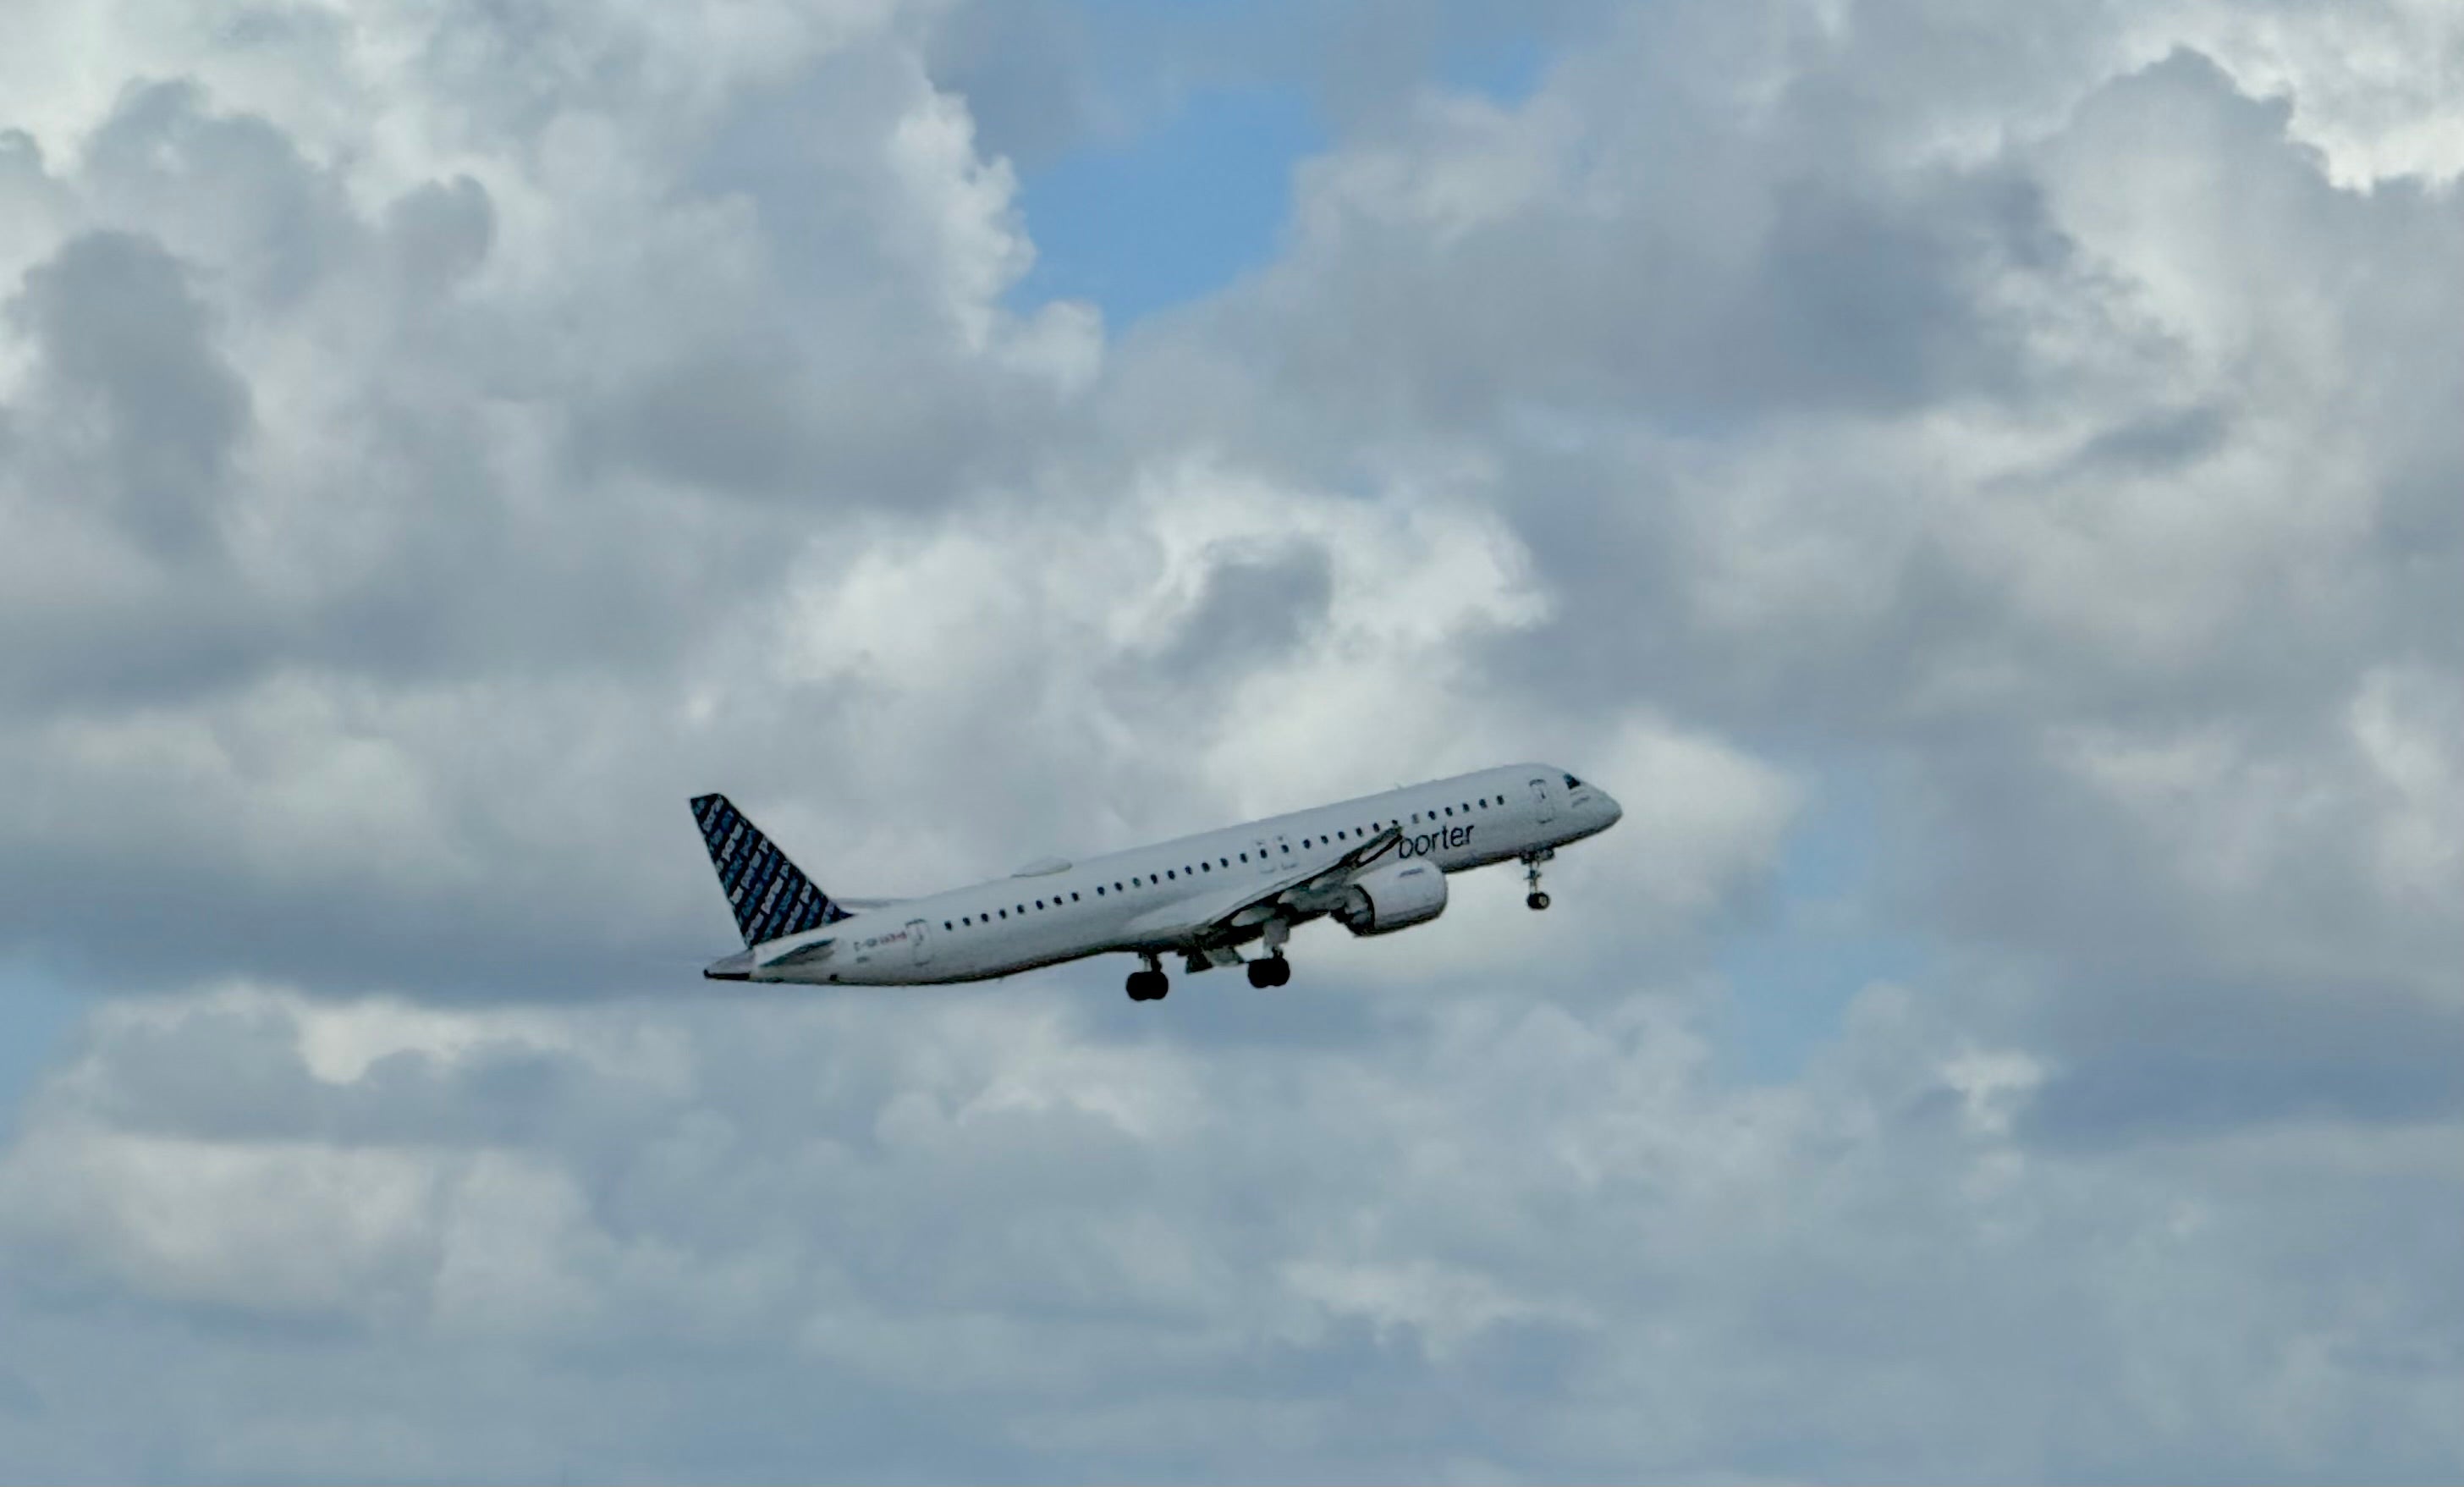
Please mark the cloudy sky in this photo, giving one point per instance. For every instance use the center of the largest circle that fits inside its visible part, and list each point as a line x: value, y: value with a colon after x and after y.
x: 1984, y: 486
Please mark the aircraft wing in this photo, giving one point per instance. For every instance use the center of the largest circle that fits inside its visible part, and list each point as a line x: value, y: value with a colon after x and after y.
x: 1311, y: 889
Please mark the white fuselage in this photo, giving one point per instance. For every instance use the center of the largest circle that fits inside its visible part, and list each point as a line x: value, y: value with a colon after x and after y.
x: 1134, y: 901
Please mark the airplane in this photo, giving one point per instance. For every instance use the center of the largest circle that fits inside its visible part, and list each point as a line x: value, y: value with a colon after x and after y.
x: 1374, y: 865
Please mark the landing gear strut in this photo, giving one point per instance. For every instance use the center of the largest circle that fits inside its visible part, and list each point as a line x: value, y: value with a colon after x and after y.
x: 1535, y: 900
x: 1150, y: 984
x: 1271, y: 970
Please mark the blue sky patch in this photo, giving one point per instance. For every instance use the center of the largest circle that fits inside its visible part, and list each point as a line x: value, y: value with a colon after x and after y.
x: 36, y: 1015
x: 1504, y: 69
x: 1173, y: 215
x: 1790, y: 981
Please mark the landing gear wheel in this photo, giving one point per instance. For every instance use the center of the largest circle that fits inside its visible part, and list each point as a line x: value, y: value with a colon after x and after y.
x: 1537, y: 900
x: 1149, y: 986
x: 1272, y: 970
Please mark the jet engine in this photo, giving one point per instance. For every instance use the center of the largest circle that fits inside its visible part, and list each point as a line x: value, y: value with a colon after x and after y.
x: 1395, y: 897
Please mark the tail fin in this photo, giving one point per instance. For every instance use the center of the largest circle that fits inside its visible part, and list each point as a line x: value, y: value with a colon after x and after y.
x: 769, y: 895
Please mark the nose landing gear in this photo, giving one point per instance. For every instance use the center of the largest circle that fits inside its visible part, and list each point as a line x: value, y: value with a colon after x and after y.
x: 1535, y: 900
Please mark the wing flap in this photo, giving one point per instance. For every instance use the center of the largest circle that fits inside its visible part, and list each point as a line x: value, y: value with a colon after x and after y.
x: 1198, y: 919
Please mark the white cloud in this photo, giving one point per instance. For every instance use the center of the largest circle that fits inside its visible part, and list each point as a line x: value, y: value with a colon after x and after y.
x: 434, y: 441
x: 1525, y: 1213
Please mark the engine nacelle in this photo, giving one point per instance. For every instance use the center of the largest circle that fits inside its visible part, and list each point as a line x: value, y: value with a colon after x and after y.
x: 1395, y: 897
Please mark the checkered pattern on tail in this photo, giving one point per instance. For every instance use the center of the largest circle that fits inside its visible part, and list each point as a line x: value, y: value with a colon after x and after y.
x: 769, y: 895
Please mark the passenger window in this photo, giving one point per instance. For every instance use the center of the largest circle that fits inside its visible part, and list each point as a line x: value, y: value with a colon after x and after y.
x: 1022, y: 908
x: 1117, y: 888
x: 1171, y: 876
x: 1224, y: 862
x: 1099, y: 890
x: 1005, y: 913
x: 1073, y: 898
x: 946, y: 925
x: 1206, y: 867
x: 1244, y: 856
x: 1039, y: 903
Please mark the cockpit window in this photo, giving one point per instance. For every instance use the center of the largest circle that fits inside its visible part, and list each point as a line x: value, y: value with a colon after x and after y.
x: 1572, y: 783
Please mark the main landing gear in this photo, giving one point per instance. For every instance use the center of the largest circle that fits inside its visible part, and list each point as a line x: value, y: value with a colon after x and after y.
x: 1535, y: 900
x: 1269, y: 971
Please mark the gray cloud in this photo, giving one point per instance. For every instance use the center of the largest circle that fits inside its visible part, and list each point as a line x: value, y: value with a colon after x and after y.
x: 134, y: 373
x: 1252, y: 611
x: 230, y: 190
x: 442, y: 231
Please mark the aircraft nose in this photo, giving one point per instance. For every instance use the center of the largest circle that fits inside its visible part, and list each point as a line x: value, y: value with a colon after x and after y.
x: 1615, y: 811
